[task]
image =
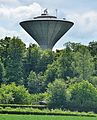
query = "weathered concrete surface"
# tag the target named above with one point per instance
(46, 30)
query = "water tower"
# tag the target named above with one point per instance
(46, 30)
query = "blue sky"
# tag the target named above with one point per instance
(82, 12)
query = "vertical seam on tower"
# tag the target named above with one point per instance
(53, 32)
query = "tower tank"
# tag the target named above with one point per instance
(46, 30)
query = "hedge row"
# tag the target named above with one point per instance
(33, 111)
(23, 106)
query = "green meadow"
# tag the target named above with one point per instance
(43, 117)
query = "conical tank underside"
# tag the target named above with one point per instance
(46, 31)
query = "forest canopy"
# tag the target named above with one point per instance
(64, 78)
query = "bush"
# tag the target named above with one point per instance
(82, 97)
(44, 112)
(14, 94)
(4, 106)
(37, 98)
(36, 83)
(56, 92)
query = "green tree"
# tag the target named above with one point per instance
(82, 96)
(36, 83)
(84, 65)
(66, 66)
(75, 47)
(20, 94)
(4, 44)
(14, 62)
(57, 92)
(93, 48)
(31, 60)
(51, 72)
(14, 94)
(2, 73)
(93, 80)
(5, 95)
(33, 56)
(46, 58)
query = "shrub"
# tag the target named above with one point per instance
(82, 97)
(14, 94)
(56, 92)
(35, 83)
(37, 98)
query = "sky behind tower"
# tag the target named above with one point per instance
(82, 12)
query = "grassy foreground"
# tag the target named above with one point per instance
(43, 117)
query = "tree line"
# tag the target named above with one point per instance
(64, 78)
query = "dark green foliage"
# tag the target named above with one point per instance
(46, 58)
(82, 96)
(4, 44)
(56, 94)
(32, 57)
(47, 75)
(84, 65)
(14, 65)
(93, 80)
(93, 48)
(75, 47)
(51, 73)
(66, 67)
(36, 83)
(2, 73)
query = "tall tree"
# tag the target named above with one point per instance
(2, 73)
(36, 83)
(75, 47)
(51, 72)
(83, 96)
(57, 92)
(93, 50)
(14, 64)
(32, 58)
(46, 58)
(4, 44)
(66, 67)
(84, 64)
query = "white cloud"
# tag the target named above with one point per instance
(18, 13)
(10, 18)
(13, 11)
(9, 3)
(6, 32)
(84, 24)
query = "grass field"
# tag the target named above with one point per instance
(43, 117)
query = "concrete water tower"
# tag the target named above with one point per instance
(46, 30)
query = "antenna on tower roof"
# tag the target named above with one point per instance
(46, 11)
(41, 10)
